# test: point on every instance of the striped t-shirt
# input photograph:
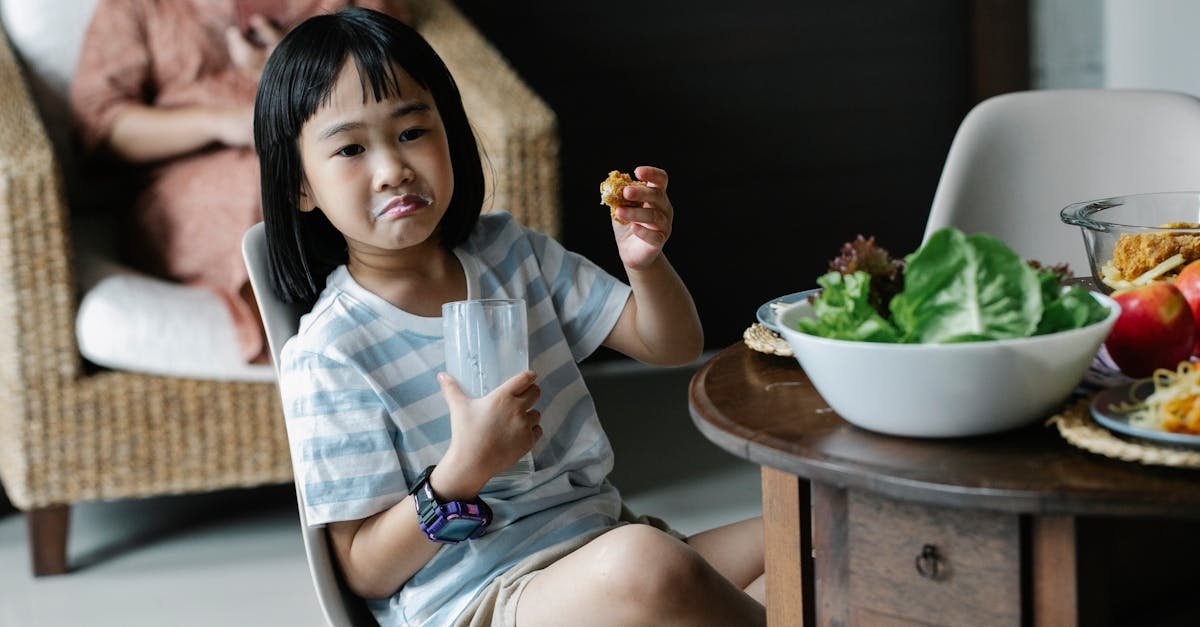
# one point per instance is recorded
(365, 414)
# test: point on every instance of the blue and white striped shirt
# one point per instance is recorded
(365, 414)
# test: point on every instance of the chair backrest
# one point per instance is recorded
(281, 320)
(1019, 158)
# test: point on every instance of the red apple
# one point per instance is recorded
(1188, 282)
(1155, 329)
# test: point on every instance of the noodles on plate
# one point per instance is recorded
(1174, 405)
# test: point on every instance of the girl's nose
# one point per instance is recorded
(391, 171)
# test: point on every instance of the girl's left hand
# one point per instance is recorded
(648, 226)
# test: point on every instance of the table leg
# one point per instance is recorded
(831, 555)
(1055, 575)
(788, 548)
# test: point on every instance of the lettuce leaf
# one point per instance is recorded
(962, 288)
(1065, 309)
(887, 274)
(844, 311)
(1075, 308)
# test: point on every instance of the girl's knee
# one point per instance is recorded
(651, 568)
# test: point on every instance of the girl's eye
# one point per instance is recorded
(351, 150)
(411, 134)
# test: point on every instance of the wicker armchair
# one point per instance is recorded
(68, 434)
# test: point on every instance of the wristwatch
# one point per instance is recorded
(450, 522)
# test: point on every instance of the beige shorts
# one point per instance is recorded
(496, 605)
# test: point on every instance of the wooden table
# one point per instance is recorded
(1009, 529)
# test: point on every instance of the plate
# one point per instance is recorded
(768, 312)
(1105, 412)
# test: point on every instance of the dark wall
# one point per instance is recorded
(787, 127)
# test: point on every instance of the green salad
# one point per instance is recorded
(954, 288)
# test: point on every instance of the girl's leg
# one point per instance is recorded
(736, 551)
(634, 575)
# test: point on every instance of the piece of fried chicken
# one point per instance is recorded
(1134, 254)
(611, 193)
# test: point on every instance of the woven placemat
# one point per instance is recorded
(764, 340)
(1076, 425)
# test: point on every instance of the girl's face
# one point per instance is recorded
(380, 171)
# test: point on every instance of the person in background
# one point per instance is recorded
(166, 87)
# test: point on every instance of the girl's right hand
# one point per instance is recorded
(489, 434)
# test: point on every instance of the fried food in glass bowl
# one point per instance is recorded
(1136, 239)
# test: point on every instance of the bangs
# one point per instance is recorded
(375, 61)
(380, 77)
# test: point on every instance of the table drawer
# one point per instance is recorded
(969, 575)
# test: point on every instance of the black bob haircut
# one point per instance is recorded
(303, 247)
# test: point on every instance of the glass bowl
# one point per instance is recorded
(1133, 240)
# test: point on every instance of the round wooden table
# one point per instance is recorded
(987, 530)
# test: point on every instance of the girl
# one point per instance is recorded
(372, 186)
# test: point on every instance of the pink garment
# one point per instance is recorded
(189, 219)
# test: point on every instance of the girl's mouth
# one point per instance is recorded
(400, 206)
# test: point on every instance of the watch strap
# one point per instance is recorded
(433, 514)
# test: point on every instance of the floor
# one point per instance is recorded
(236, 558)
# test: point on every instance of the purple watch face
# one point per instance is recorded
(449, 522)
(457, 521)
(458, 529)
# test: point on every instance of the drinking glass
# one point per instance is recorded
(487, 343)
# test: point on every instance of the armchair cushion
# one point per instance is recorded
(130, 321)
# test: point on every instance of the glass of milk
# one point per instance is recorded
(487, 343)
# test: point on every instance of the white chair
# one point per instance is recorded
(1019, 158)
(341, 607)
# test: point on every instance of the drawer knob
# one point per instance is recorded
(929, 563)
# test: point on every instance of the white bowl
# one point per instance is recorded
(946, 390)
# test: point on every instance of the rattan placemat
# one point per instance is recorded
(764, 340)
(1076, 425)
